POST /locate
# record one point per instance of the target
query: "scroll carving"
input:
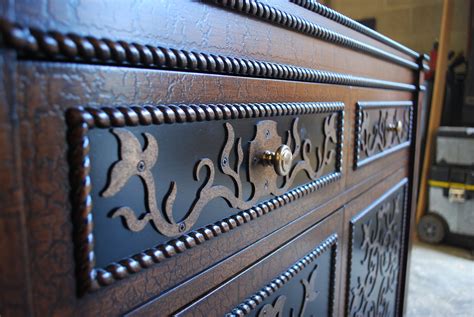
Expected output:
(309, 286)
(310, 293)
(275, 310)
(381, 128)
(376, 137)
(135, 161)
(374, 289)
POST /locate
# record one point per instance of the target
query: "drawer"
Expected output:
(299, 278)
(375, 250)
(381, 128)
(162, 180)
(379, 136)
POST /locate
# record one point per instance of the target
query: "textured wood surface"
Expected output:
(159, 53)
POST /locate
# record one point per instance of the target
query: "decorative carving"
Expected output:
(373, 272)
(310, 293)
(134, 161)
(315, 6)
(31, 42)
(275, 310)
(81, 120)
(274, 15)
(381, 129)
(309, 285)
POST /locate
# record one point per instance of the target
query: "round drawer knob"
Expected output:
(281, 159)
(396, 127)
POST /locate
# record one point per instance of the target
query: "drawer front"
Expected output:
(375, 252)
(166, 178)
(277, 285)
(381, 128)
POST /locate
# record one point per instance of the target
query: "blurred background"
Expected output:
(442, 258)
(414, 23)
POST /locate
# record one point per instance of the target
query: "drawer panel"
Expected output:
(300, 278)
(381, 128)
(158, 180)
(376, 240)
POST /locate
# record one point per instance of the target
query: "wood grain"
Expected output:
(57, 56)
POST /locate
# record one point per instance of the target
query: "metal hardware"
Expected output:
(136, 161)
(395, 127)
(281, 159)
(457, 195)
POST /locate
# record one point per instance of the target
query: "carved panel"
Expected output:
(375, 255)
(382, 127)
(305, 289)
(139, 182)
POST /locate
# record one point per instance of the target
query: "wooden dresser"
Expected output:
(203, 158)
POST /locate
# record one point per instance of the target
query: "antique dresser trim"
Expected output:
(54, 45)
(80, 120)
(276, 16)
(331, 14)
(256, 299)
(367, 105)
(401, 188)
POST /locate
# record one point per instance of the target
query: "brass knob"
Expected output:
(396, 127)
(281, 159)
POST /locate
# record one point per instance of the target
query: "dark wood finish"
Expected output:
(15, 297)
(381, 128)
(375, 247)
(306, 249)
(413, 186)
(104, 105)
(171, 301)
(318, 8)
(321, 170)
(285, 19)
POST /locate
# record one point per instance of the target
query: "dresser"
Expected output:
(204, 158)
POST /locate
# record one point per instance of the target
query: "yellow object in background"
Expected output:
(442, 184)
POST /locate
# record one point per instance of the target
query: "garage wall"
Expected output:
(414, 23)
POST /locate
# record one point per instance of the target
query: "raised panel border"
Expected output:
(402, 184)
(31, 43)
(295, 23)
(316, 7)
(329, 244)
(80, 120)
(364, 105)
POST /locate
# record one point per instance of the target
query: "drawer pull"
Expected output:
(281, 159)
(395, 127)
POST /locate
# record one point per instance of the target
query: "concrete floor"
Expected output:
(441, 282)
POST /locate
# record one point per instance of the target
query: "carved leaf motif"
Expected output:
(373, 292)
(275, 310)
(135, 161)
(310, 293)
(374, 135)
(225, 159)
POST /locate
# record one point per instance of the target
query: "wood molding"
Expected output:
(335, 16)
(80, 120)
(256, 299)
(32, 43)
(383, 220)
(298, 24)
(388, 148)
